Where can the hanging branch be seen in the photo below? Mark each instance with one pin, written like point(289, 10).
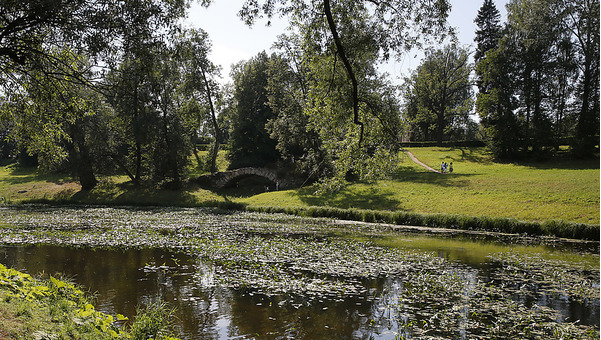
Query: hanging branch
point(347, 66)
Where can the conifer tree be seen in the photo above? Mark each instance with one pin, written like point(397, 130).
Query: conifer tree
point(489, 28)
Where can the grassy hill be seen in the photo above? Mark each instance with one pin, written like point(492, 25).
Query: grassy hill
point(554, 190)
point(561, 189)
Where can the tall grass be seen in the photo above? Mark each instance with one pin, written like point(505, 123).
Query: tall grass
point(461, 222)
point(32, 308)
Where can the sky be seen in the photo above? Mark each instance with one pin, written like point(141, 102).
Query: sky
point(233, 41)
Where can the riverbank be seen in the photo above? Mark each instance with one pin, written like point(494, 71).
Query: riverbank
point(558, 197)
point(34, 308)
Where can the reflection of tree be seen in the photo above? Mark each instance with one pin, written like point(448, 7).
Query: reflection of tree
point(199, 301)
point(286, 316)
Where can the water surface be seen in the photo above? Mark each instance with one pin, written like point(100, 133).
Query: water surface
point(262, 276)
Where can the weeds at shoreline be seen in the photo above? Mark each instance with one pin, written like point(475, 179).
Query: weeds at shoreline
point(56, 309)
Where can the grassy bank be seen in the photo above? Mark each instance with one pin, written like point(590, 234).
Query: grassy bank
point(558, 197)
point(459, 222)
point(555, 190)
point(54, 309)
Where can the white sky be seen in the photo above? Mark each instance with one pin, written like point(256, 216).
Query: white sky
point(233, 41)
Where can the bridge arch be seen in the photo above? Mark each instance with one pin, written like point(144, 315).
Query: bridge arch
point(223, 178)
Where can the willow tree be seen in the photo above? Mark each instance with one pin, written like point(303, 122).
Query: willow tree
point(343, 41)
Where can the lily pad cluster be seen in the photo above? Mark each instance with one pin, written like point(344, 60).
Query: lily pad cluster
point(423, 295)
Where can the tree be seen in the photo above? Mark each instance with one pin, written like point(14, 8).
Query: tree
point(288, 93)
point(250, 143)
point(582, 21)
point(440, 96)
point(130, 93)
point(496, 105)
point(61, 122)
point(488, 29)
point(199, 87)
point(30, 30)
point(342, 41)
point(551, 51)
point(534, 25)
point(106, 35)
point(487, 36)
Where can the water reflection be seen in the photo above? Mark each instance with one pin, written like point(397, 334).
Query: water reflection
point(122, 280)
point(125, 279)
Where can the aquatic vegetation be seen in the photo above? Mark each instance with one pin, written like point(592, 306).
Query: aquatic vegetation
point(288, 259)
point(546, 276)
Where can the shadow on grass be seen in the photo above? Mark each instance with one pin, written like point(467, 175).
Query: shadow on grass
point(368, 198)
point(563, 160)
point(127, 194)
point(246, 186)
point(561, 164)
point(412, 175)
point(21, 175)
point(474, 155)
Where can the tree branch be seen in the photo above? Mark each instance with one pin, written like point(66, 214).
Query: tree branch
point(347, 66)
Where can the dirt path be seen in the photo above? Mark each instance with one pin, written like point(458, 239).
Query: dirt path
point(413, 158)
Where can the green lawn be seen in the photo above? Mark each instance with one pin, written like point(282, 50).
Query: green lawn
point(560, 189)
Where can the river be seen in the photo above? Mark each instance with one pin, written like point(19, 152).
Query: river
point(246, 276)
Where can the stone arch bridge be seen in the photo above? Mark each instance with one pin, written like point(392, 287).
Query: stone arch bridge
point(221, 179)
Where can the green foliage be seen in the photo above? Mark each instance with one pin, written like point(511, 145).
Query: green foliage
point(199, 89)
point(62, 122)
point(489, 30)
point(250, 143)
point(352, 109)
point(439, 96)
point(152, 322)
point(162, 93)
point(54, 96)
point(497, 103)
point(56, 309)
point(298, 143)
point(535, 84)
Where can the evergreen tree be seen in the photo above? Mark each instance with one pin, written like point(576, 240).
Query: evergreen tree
point(489, 29)
point(487, 36)
point(496, 106)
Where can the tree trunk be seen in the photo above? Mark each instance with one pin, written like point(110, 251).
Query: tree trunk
point(213, 166)
point(440, 128)
point(80, 159)
point(138, 165)
point(583, 130)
